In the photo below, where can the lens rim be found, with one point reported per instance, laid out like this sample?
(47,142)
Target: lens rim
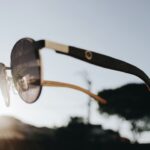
(5,93)
(37,56)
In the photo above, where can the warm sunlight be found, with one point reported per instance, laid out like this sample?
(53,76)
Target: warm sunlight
(44,47)
(10,128)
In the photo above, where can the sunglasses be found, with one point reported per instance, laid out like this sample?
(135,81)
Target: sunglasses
(27,71)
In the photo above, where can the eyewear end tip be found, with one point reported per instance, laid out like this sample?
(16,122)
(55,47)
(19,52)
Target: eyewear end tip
(148,85)
(148,88)
(101,100)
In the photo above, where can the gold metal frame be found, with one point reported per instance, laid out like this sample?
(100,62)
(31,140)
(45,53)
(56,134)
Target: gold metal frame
(72,86)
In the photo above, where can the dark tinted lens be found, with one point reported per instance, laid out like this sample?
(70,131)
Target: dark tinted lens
(26,71)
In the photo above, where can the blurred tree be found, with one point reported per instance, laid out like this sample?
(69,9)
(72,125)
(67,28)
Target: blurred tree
(82,135)
(132,102)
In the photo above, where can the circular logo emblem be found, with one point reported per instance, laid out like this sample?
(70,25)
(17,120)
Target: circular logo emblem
(88,55)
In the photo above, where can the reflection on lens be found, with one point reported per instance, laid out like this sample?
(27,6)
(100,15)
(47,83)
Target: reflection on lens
(4,84)
(23,84)
(26,70)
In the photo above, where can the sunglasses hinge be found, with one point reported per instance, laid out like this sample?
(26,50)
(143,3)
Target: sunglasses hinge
(8,68)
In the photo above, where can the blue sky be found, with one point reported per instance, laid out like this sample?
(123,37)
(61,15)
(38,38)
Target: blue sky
(118,28)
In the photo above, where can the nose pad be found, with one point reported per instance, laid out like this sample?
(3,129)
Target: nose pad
(23,84)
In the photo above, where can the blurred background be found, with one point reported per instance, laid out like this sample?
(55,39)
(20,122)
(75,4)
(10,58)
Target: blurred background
(118,28)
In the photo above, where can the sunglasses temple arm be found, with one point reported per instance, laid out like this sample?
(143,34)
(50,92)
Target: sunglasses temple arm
(109,63)
(99,60)
(72,86)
